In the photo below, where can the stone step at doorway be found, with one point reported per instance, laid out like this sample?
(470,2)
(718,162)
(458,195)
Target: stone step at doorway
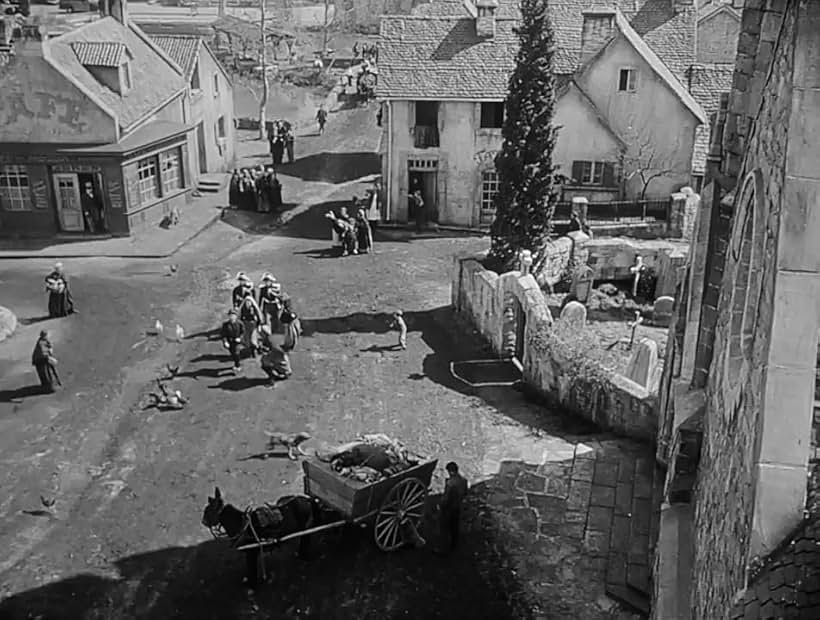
(212,183)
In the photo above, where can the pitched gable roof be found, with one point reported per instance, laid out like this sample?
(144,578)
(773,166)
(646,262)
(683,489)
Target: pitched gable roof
(710,9)
(655,63)
(570,84)
(707,83)
(182,48)
(442,58)
(155,78)
(100,54)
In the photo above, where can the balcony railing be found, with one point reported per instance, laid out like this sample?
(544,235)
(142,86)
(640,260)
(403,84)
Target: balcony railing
(425,137)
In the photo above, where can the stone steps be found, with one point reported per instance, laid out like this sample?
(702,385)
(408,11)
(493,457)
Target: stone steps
(211,184)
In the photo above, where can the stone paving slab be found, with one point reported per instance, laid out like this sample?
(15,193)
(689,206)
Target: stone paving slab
(590,512)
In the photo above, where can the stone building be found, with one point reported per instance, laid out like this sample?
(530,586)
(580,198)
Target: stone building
(622,102)
(718,30)
(98,127)
(738,429)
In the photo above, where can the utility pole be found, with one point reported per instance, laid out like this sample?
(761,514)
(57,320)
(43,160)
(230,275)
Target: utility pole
(263,58)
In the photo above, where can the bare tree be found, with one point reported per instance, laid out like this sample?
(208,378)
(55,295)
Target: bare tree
(263,58)
(646,160)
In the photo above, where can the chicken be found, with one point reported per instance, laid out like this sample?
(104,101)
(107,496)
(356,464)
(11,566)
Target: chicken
(180,333)
(172,269)
(48,503)
(158,327)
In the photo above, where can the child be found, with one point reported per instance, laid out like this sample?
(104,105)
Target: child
(400,326)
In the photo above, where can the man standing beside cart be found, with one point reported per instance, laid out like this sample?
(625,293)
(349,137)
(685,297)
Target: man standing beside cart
(450,508)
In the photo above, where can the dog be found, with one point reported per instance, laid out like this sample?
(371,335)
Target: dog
(291,441)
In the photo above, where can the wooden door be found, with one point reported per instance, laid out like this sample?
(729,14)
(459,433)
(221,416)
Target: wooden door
(69,207)
(200,145)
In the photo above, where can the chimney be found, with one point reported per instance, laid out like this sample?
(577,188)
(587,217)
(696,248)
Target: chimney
(598,29)
(118,9)
(485,18)
(682,5)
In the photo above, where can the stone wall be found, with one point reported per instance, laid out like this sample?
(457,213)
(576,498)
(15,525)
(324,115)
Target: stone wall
(483,298)
(726,476)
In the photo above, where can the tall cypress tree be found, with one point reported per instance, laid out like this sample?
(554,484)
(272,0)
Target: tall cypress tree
(527,180)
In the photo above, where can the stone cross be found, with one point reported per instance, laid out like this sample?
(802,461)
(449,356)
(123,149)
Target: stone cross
(574,313)
(643,363)
(525,262)
(634,325)
(637,269)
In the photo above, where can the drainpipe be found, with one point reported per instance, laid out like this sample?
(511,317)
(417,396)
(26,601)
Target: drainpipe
(388,184)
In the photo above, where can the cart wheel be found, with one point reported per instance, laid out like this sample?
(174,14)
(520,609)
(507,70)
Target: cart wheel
(405,502)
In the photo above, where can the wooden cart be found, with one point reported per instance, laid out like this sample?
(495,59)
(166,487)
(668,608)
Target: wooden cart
(390,505)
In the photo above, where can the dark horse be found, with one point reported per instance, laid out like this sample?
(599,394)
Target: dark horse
(290,514)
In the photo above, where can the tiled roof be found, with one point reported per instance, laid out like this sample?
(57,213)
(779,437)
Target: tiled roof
(787,585)
(442,58)
(662,71)
(670,35)
(707,83)
(154,79)
(182,48)
(97,54)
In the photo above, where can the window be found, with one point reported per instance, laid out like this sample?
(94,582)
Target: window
(148,180)
(170,171)
(15,192)
(427,113)
(492,115)
(489,188)
(220,128)
(216,84)
(593,173)
(195,78)
(627,80)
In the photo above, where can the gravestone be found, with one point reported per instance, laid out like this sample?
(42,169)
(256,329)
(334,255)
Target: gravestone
(574,313)
(582,281)
(643,363)
(662,310)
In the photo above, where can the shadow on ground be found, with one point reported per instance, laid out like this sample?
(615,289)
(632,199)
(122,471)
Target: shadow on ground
(332,167)
(345,577)
(450,342)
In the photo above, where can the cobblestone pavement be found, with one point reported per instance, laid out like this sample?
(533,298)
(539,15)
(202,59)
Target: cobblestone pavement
(551,500)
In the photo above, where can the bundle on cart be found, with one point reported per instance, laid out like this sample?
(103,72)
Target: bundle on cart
(369,458)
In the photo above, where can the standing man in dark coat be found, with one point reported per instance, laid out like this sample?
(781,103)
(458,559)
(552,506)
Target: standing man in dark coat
(60,303)
(232,332)
(42,358)
(289,142)
(454,491)
(419,210)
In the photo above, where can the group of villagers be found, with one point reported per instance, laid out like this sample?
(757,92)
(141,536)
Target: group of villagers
(354,233)
(253,321)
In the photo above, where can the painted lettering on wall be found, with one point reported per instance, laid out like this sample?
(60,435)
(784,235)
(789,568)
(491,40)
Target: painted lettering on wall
(40,192)
(115,193)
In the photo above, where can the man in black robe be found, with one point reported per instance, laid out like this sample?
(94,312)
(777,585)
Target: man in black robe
(42,358)
(454,491)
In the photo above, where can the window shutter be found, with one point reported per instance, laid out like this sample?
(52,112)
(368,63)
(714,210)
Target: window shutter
(411,114)
(609,175)
(577,172)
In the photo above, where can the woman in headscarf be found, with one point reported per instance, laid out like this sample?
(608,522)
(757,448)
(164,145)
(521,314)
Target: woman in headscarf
(364,236)
(42,358)
(59,297)
(239,292)
(293,327)
(233,190)
(251,317)
(270,301)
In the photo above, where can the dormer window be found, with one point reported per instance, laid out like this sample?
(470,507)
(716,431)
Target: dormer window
(628,81)
(109,63)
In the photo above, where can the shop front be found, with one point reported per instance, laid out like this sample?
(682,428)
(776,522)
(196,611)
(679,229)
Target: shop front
(110,189)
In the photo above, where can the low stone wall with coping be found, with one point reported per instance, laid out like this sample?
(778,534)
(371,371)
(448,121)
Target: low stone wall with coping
(496,305)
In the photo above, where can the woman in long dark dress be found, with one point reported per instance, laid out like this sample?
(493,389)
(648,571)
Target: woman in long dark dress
(42,358)
(364,236)
(233,190)
(60,302)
